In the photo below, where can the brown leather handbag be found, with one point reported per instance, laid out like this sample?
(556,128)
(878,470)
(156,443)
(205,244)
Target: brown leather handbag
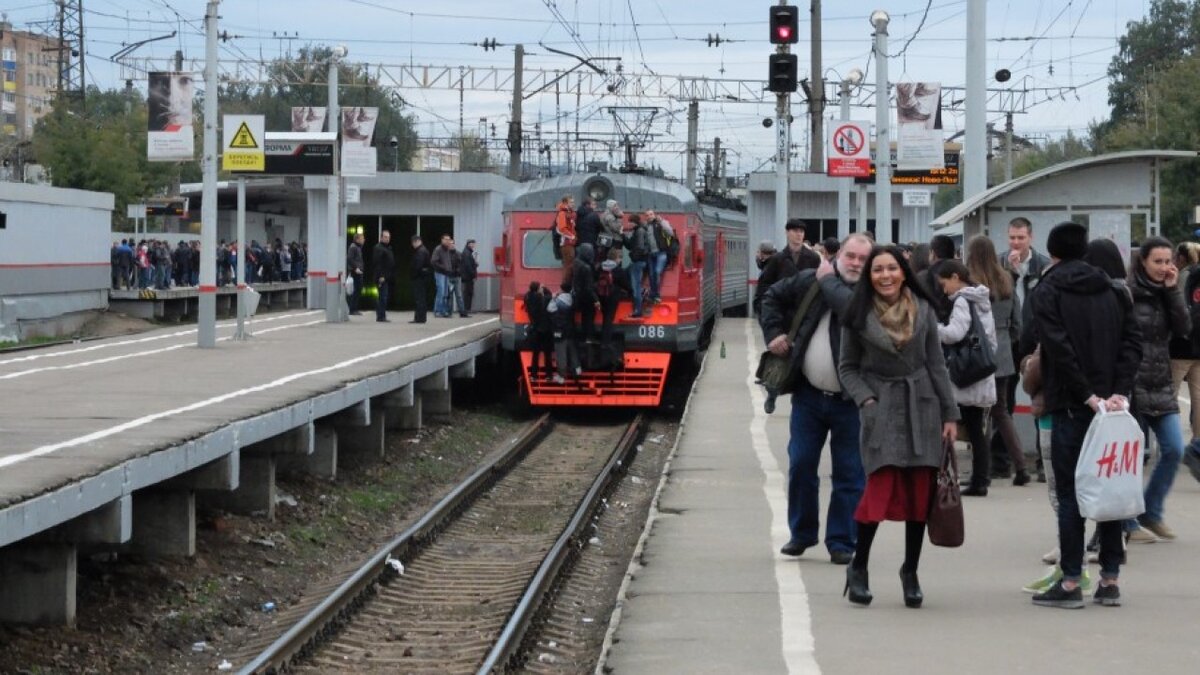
(945,522)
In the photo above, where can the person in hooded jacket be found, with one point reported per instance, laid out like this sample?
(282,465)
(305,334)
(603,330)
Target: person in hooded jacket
(562,318)
(1090,351)
(1162,314)
(610,227)
(611,283)
(541,332)
(974,400)
(583,285)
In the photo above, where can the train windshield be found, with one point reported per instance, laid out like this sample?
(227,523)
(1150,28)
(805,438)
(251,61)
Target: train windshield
(537,251)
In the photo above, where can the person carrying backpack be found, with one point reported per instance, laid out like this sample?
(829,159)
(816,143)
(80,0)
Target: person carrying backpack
(562,318)
(610,283)
(664,238)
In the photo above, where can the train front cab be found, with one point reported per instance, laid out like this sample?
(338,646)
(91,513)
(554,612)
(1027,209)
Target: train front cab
(632,371)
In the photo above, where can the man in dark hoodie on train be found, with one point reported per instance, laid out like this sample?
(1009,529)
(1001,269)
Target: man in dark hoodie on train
(583,283)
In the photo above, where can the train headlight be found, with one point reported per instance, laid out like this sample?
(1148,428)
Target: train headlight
(598,189)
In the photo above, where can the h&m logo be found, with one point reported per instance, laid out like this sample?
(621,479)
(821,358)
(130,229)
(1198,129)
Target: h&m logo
(1110,466)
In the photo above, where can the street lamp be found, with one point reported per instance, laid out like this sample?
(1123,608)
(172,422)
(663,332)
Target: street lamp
(883,144)
(395,145)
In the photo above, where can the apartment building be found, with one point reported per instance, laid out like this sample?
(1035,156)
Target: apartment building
(30,66)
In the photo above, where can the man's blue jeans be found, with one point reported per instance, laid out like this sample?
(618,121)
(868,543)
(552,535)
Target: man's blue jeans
(636,271)
(1170,447)
(1066,442)
(816,414)
(657,264)
(439,302)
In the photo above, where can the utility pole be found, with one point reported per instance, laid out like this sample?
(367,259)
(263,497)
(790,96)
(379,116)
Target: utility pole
(1008,155)
(333,206)
(716,165)
(692,134)
(514,125)
(975,139)
(883,135)
(816,101)
(206,318)
(852,79)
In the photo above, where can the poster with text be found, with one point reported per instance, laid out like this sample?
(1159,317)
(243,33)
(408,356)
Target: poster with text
(919,143)
(169,118)
(358,127)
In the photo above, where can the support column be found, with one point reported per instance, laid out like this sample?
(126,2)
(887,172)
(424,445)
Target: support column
(164,523)
(109,525)
(402,409)
(435,393)
(37,584)
(363,444)
(255,494)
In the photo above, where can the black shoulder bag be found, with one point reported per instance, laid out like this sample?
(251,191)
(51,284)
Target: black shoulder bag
(776,371)
(970,359)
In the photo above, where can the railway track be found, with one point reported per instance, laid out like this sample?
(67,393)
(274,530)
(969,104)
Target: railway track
(477,569)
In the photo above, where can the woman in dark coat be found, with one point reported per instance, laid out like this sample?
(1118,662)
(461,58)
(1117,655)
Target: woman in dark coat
(1162,314)
(892,366)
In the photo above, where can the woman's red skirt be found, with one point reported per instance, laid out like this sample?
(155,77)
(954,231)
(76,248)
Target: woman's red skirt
(895,493)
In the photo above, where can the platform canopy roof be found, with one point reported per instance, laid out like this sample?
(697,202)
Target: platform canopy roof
(984,198)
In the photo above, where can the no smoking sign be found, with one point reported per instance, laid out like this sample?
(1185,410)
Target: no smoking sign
(846,150)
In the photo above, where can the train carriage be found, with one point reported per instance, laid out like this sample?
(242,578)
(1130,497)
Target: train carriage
(708,278)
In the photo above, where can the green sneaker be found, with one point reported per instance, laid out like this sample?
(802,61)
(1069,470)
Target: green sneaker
(1053,576)
(1086,584)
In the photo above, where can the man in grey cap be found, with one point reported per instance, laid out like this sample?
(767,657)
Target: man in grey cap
(766,249)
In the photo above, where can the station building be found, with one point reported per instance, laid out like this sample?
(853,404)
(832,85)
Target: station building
(54,259)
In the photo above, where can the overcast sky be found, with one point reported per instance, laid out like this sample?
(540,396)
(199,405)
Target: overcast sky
(1061,47)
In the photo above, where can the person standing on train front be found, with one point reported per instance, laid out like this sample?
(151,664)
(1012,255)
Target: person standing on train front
(820,408)
(564,227)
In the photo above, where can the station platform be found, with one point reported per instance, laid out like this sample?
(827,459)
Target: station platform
(710,592)
(111,442)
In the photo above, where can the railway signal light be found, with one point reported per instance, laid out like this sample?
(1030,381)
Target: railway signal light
(785,25)
(782,73)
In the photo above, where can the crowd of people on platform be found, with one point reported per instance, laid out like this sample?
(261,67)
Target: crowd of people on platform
(153,263)
(869,331)
(454,273)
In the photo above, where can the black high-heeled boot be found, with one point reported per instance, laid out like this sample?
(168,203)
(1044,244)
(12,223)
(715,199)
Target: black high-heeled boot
(913,597)
(856,586)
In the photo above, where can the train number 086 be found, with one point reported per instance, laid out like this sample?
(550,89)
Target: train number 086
(652,332)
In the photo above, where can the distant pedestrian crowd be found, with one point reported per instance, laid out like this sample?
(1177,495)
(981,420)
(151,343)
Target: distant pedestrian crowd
(453,272)
(153,263)
(897,351)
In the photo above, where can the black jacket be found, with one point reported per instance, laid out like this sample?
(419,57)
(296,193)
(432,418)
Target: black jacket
(587,225)
(383,263)
(782,300)
(1161,314)
(783,265)
(535,307)
(1091,344)
(469,265)
(354,258)
(1188,347)
(418,265)
(1037,267)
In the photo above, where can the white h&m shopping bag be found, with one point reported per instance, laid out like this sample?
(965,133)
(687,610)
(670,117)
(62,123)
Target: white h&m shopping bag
(1108,477)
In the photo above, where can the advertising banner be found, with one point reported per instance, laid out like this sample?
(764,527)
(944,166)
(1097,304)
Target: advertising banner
(309,118)
(919,126)
(358,127)
(170,118)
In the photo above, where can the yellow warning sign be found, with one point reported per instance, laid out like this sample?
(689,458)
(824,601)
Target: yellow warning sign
(243,139)
(243,151)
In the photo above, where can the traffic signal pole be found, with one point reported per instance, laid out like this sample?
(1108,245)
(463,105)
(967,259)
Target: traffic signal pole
(781,79)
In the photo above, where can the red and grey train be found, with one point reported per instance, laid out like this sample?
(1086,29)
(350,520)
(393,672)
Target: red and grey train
(708,278)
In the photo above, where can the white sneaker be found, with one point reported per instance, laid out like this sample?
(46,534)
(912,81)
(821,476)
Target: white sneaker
(558,379)
(1051,557)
